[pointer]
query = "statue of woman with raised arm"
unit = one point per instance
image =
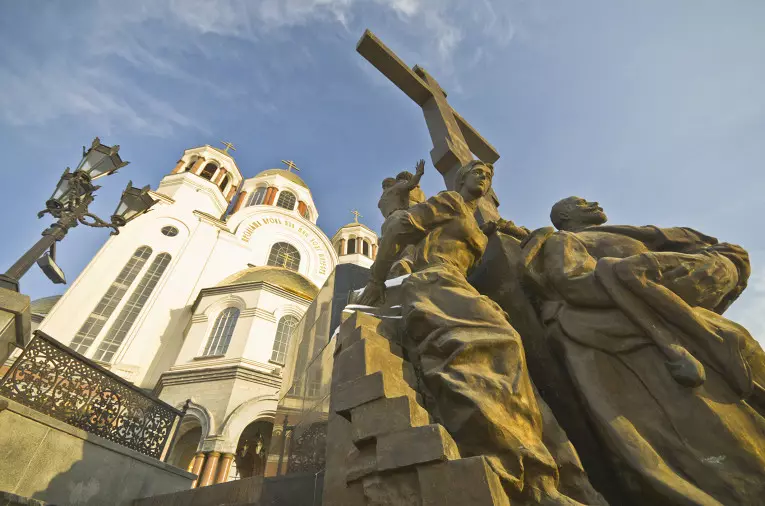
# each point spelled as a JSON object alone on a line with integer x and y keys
{"x": 471, "y": 359}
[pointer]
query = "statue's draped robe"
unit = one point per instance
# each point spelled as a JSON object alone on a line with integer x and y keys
{"x": 672, "y": 444}
{"x": 473, "y": 364}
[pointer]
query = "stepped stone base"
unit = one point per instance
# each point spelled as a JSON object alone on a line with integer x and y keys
{"x": 383, "y": 449}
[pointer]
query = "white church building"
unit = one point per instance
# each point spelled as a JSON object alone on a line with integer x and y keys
{"x": 198, "y": 299}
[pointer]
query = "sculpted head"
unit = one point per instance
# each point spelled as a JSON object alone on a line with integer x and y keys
{"x": 575, "y": 213}
{"x": 474, "y": 179}
{"x": 404, "y": 175}
{"x": 388, "y": 182}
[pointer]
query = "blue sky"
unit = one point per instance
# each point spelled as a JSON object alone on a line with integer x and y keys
{"x": 654, "y": 108}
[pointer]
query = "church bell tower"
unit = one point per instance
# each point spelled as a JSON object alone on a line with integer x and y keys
{"x": 205, "y": 178}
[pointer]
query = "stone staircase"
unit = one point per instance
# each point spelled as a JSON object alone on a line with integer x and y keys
{"x": 397, "y": 455}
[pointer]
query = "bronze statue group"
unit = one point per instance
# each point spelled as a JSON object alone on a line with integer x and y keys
{"x": 671, "y": 389}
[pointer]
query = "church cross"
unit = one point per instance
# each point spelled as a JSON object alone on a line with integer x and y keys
{"x": 228, "y": 146}
{"x": 454, "y": 139}
{"x": 290, "y": 165}
{"x": 356, "y": 216}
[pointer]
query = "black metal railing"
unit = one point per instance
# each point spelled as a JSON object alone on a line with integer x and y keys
{"x": 57, "y": 381}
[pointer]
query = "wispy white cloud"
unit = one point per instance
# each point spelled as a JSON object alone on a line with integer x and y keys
{"x": 34, "y": 95}
{"x": 440, "y": 27}
{"x": 161, "y": 37}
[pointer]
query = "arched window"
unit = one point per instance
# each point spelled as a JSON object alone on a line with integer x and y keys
{"x": 191, "y": 164}
{"x": 224, "y": 182}
{"x": 365, "y": 247}
{"x": 209, "y": 171}
{"x": 127, "y": 317}
{"x": 283, "y": 332}
{"x": 220, "y": 337}
{"x": 286, "y": 200}
{"x": 351, "y": 249}
{"x": 285, "y": 255}
{"x": 105, "y": 307}
{"x": 257, "y": 197}
{"x": 303, "y": 210}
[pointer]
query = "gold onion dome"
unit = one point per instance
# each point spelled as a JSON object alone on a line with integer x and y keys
{"x": 42, "y": 307}
{"x": 286, "y": 174}
{"x": 278, "y": 276}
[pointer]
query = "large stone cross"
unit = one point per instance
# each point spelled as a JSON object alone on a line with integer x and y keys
{"x": 454, "y": 139}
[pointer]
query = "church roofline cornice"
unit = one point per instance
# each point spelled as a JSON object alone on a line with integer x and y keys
{"x": 162, "y": 197}
{"x": 193, "y": 373}
{"x": 255, "y": 285}
{"x": 349, "y": 225}
{"x": 209, "y": 218}
{"x": 201, "y": 184}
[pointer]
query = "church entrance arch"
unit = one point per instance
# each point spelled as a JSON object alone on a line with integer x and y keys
{"x": 252, "y": 449}
{"x": 186, "y": 446}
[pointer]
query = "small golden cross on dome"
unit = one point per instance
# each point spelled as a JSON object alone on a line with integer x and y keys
{"x": 228, "y": 146}
{"x": 290, "y": 165}
{"x": 356, "y": 216}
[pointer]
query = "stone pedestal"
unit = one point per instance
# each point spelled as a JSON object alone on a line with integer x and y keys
{"x": 15, "y": 322}
{"x": 382, "y": 447}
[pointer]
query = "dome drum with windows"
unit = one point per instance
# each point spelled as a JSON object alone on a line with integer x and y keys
{"x": 281, "y": 188}
{"x": 355, "y": 243}
{"x": 214, "y": 165}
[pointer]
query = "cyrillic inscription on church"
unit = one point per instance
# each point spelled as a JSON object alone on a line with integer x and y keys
{"x": 306, "y": 233}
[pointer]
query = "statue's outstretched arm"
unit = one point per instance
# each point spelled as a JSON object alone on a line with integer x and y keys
{"x": 418, "y": 172}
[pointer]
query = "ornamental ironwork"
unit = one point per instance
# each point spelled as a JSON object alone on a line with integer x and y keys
{"x": 57, "y": 381}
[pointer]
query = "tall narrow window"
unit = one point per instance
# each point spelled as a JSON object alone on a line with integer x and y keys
{"x": 125, "y": 320}
{"x": 281, "y": 342}
{"x": 257, "y": 197}
{"x": 105, "y": 307}
{"x": 209, "y": 171}
{"x": 286, "y": 200}
{"x": 365, "y": 247}
{"x": 284, "y": 255}
{"x": 351, "y": 246}
{"x": 190, "y": 165}
{"x": 220, "y": 337}
{"x": 224, "y": 182}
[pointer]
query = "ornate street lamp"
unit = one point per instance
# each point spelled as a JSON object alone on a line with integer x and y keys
{"x": 69, "y": 205}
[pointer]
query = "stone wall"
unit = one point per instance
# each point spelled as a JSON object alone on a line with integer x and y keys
{"x": 297, "y": 489}
{"x": 45, "y": 459}
{"x": 244, "y": 491}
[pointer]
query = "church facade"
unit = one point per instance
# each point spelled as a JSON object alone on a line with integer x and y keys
{"x": 198, "y": 298}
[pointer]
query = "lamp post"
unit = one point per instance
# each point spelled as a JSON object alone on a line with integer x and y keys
{"x": 69, "y": 205}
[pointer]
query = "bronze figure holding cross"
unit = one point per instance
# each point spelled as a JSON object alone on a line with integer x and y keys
{"x": 454, "y": 139}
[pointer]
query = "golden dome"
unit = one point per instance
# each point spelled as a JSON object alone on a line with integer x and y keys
{"x": 286, "y": 174}
{"x": 42, "y": 307}
{"x": 279, "y": 276}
